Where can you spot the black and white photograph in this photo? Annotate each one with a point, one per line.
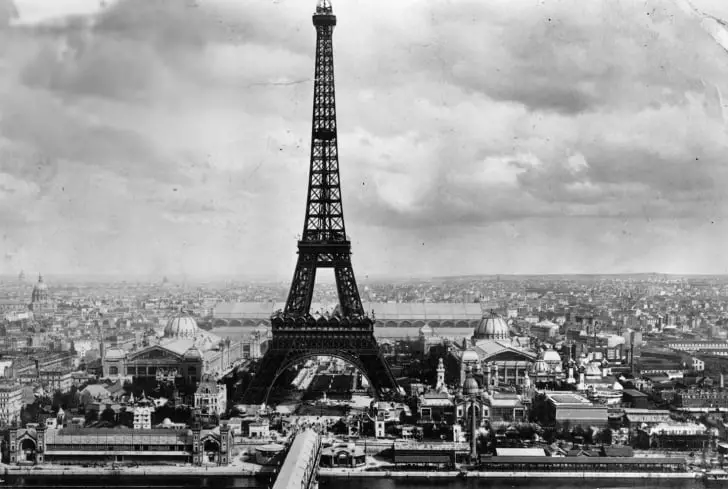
(364, 244)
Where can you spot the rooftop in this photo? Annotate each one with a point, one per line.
(566, 399)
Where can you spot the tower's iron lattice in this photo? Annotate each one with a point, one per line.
(348, 333)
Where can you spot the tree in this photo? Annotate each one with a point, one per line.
(549, 435)
(29, 413)
(541, 411)
(182, 414)
(108, 415)
(605, 436)
(565, 430)
(92, 416)
(126, 418)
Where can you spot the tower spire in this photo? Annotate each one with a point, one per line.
(324, 243)
(324, 6)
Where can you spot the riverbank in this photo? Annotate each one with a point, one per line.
(357, 474)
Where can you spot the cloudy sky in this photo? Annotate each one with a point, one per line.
(171, 137)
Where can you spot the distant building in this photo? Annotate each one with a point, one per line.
(40, 303)
(701, 398)
(211, 397)
(57, 380)
(391, 315)
(544, 330)
(11, 401)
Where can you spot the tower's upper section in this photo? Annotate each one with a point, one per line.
(324, 15)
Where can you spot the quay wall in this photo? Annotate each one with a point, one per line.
(250, 470)
(393, 474)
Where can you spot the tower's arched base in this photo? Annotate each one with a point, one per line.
(296, 339)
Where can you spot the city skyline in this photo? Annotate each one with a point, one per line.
(156, 138)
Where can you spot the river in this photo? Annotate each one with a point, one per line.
(371, 483)
(121, 482)
(336, 483)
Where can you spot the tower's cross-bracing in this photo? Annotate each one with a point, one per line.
(348, 333)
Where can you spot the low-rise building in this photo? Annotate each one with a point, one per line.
(576, 410)
(259, 428)
(143, 417)
(432, 454)
(343, 455)
(701, 398)
(74, 445)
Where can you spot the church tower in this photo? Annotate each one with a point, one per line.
(440, 384)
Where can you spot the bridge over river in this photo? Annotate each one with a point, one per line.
(300, 468)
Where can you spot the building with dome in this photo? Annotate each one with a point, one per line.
(40, 301)
(496, 356)
(184, 352)
(548, 368)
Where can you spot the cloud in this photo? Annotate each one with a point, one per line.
(156, 136)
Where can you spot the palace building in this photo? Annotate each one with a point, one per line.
(494, 354)
(74, 445)
(185, 351)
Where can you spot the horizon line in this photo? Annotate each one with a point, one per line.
(158, 277)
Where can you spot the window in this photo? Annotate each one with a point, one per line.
(113, 370)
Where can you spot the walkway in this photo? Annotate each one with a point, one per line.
(300, 469)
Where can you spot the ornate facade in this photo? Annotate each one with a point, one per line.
(105, 445)
(495, 356)
(185, 351)
(211, 397)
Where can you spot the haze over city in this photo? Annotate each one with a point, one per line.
(172, 138)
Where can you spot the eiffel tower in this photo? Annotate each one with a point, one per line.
(347, 333)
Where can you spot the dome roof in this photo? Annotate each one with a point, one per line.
(40, 291)
(114, 353)
(181, 326)
(541, 367)
(193, 353)
(167, 422)
(40, 285)
(551, 356)
(470, 386)
(470, 356)
(492, 327)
